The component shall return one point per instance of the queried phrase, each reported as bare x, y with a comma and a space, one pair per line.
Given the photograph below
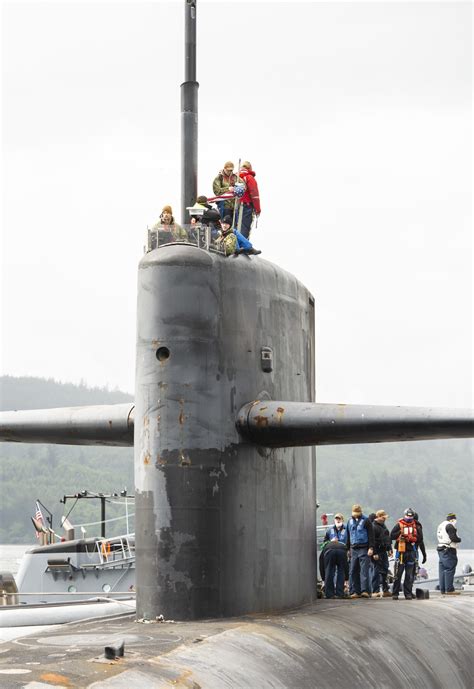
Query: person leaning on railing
168, 229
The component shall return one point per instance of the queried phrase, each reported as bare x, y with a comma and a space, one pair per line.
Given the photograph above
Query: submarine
224, 426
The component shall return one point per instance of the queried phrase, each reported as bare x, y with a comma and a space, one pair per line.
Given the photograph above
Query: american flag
39, 518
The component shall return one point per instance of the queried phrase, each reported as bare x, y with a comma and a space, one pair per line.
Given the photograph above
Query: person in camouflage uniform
224, 183
244, 246
167, 229
227, 241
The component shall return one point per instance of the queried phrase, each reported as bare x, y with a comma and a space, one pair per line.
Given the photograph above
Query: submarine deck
330, 644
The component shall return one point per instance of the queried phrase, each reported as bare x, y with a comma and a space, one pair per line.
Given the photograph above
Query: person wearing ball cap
360, 544
382, 551
448, 540
223, 184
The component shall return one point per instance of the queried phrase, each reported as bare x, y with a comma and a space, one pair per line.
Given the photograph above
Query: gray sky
357, 119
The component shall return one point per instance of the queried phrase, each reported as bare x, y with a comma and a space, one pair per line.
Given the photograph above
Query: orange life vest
407, 531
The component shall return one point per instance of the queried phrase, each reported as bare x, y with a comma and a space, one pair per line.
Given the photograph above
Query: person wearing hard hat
406, 537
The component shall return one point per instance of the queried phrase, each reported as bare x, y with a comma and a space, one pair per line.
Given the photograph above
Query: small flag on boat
38, 521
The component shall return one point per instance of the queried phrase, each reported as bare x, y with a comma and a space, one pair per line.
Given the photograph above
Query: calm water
10, 556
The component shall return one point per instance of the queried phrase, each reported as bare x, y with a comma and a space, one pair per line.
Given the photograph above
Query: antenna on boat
189, 113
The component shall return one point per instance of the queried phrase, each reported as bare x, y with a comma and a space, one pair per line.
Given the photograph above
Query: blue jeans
334, 567
223, 210
380, 573
359, 571
243, 220
448, 559
243, 242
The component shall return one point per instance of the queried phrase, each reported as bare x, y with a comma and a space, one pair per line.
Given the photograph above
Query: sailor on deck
335, 558
250, 201
405, 535
223, 184
360, 543
382, 551
448, 540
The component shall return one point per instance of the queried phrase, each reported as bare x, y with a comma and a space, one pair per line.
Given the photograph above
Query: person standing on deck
360, 544
250, 201
405, 535
448, 540
382, 551
336, 568
223, 184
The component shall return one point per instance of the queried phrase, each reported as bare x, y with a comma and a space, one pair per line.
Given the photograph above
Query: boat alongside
63, 578
63, 613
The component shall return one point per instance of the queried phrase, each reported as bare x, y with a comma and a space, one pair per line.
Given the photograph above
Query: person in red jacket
250, 201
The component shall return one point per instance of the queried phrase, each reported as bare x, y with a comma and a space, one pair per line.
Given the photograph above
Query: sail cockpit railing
202, 236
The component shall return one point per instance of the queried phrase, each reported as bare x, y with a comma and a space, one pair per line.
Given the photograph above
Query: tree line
433, 477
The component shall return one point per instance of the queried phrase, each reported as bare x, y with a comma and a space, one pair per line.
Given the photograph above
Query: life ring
105, 549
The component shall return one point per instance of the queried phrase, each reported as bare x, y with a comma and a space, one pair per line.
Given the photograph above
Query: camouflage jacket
228, 242
221, 186
177, 232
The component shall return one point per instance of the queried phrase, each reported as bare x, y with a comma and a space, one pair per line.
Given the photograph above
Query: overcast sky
357, 119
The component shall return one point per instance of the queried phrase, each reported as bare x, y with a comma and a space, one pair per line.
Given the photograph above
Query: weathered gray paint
110, 424
289, 424
224, 526
189, 113
373, 644
221, 527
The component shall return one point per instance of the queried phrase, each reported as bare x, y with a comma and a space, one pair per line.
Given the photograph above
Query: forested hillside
433, 477
48, 472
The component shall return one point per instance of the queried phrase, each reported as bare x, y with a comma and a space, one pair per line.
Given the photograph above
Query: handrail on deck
201, 236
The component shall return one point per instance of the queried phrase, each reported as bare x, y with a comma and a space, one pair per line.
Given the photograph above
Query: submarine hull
373, 644
222, 527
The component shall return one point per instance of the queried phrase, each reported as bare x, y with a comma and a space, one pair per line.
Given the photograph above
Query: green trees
47, 472
434, 477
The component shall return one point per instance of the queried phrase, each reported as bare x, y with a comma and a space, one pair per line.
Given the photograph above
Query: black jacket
383, 543
421, 543
210, 215
452, 533
322, 569
395, 533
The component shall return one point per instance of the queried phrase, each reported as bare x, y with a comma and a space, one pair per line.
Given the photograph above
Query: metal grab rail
201, 236
109, 548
